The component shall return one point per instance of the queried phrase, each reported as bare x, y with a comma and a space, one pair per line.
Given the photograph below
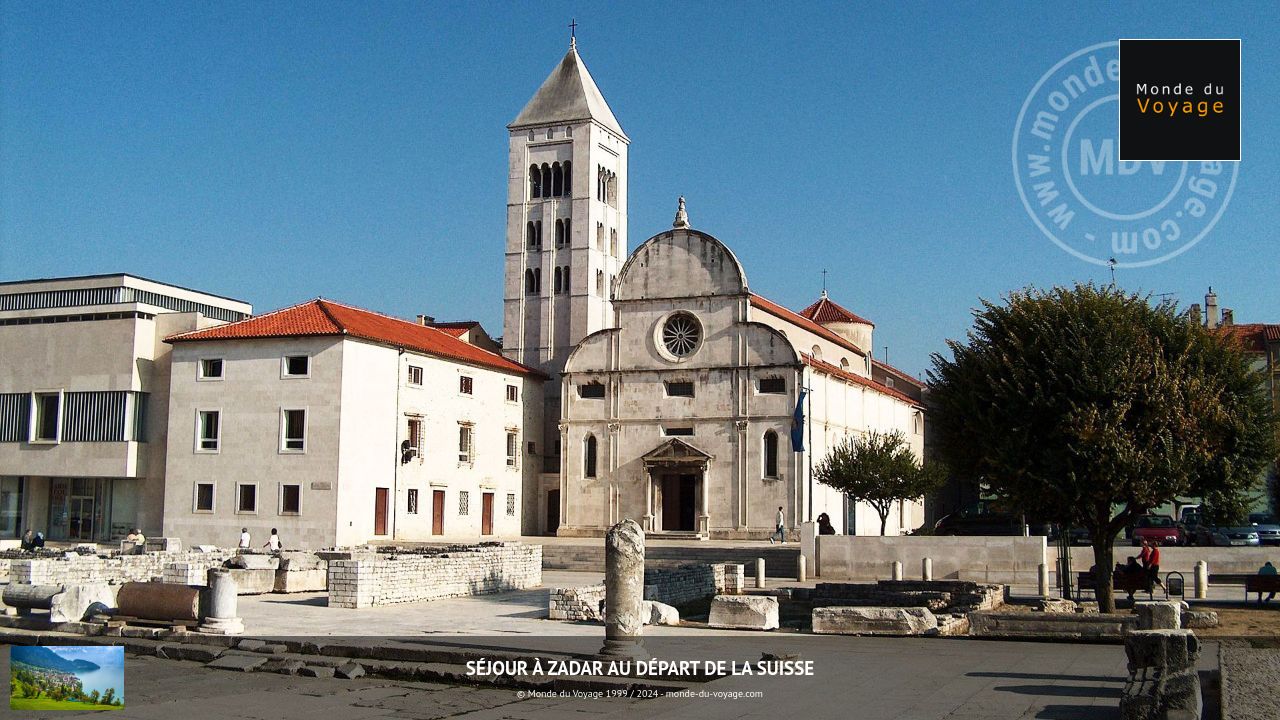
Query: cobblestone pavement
859, 678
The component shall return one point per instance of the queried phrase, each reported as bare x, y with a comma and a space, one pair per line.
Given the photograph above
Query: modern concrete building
682, 413
338, 425
84, 399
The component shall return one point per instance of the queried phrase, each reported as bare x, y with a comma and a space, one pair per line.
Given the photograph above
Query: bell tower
566, 224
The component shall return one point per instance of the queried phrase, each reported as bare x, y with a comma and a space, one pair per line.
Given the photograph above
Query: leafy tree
93, 697
878, 469
1089, 406
108, 695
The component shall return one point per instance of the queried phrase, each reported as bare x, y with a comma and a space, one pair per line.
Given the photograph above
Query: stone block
1169, 650
193, 652
744, 612
660, 613
255, 581
1054, 606
1199, 619
282, 666
255, 562
238, 662
349, 671
316, 671
1158, 615
874, 621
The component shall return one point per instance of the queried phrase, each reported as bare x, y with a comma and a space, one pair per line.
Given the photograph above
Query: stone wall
85, 569
1006, 560
386, 579
582, 603
674, 586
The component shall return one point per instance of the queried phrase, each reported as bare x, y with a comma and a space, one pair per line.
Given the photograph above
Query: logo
1073, 184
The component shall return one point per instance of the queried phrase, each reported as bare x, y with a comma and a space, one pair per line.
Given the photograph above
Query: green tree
878, 469
1089, 406
93, 697
108, 696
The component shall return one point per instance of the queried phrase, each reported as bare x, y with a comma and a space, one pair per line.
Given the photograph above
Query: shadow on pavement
1046, 676
1061, 690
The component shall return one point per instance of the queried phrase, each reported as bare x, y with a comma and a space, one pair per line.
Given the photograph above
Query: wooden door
437, 512
486, 514
553, 511
380, 496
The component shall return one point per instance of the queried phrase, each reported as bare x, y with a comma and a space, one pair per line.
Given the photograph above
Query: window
465, 444
465, 384
411, 447
415, 375
210, 369
290, 499
589, 457
535, 178
513, 448
246, 497
556, 286
464, 502
293, 431
566, 279
770, 454
613, 242
529, 285
917, 422
773, 385
208, 430
412, 507
513, 393
297, 366
681, 334
888, 382
600, 283
533, 448
45, 421
600, 237
679, 388
677, 431
593, 390
204, 498
511, 504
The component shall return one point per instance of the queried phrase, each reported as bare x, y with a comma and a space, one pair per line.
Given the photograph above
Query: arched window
568, 238
844, 363
546, 180
600, 283
532, 233
816, 352
568, 177
566, 279
528, 282
537, 281
557, 282
589, 457
537, 226
557, 180
613, 242
559, 233
600, 236
770, 454
535, 182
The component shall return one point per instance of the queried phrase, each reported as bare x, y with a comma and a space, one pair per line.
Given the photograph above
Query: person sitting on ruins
137, 540
273, 542
1267, 570
246, 541
38, 541
824, 525
28, 540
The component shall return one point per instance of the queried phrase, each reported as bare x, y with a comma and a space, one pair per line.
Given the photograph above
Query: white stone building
84, 399
338, 425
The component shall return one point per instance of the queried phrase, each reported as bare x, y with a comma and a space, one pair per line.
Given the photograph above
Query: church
678, 397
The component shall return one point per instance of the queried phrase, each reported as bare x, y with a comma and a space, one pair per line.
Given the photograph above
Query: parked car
984, 518
1207, 534
1191, 521
1268, 528
1160, 529
1078, 535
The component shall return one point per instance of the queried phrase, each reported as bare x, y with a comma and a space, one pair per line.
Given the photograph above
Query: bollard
897, 569
800, 569
222, 601
1202, 580
624, 590
759, 572
926, 569
1043, 578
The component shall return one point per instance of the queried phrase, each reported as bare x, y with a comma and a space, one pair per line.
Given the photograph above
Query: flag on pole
797, 424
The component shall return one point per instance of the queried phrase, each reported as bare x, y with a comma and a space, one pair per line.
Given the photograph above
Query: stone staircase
779, 561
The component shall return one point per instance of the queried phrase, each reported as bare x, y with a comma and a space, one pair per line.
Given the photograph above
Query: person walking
1150, 558
780, 529
246, 541
273, 542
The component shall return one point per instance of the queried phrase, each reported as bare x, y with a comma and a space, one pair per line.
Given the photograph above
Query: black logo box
1187, 68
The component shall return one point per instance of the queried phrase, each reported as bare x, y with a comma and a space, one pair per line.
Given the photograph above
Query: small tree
1089, 406
878, 469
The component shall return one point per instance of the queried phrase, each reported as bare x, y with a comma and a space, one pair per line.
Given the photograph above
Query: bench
1120, 582
1261, 584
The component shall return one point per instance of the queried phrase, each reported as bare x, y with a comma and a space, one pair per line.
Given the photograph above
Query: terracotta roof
456, 329
1253, 336
832, 370
825, 311
326, 317
790, 316
902, 374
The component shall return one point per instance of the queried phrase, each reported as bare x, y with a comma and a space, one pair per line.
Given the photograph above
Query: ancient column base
222, 626
631, 648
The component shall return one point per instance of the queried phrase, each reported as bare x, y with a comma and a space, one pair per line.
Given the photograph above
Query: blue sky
103, 656
276, 152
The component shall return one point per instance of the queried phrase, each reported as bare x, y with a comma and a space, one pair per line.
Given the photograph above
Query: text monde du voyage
1180, 99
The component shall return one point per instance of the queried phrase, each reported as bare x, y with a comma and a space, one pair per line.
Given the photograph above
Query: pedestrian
246, 542
29, 540
1267, 569
780, 530
38, 542
273, 542
137, 541
1150, 557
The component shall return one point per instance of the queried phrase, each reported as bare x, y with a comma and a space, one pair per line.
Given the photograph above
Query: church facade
679, 397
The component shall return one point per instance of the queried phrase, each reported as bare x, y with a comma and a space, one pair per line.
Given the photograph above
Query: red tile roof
825, 311
790, 316
901, 374
456, 329
326, 317
1253, 336
826, 367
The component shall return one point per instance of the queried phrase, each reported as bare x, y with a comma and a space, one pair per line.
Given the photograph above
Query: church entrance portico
676, 497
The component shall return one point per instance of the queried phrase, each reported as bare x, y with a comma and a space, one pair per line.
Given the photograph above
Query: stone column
759, 572
1202, 580
801, 575
1042, 578
624, 590
897, 570
221, 618
926, 569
